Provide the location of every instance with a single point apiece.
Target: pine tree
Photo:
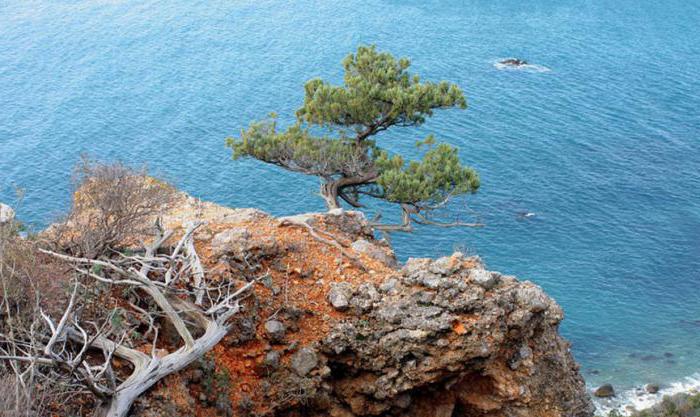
(378, 93)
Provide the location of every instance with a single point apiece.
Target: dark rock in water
(652, 388)
(594, 372)
(668, 355)
(526, 215)
(514, 62)
(604, 391)
(649, 358)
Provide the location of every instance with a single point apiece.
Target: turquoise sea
(599, 138)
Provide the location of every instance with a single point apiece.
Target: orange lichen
(458, 327)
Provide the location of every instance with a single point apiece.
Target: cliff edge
(336, 327)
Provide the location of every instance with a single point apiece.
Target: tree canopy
(378, 93)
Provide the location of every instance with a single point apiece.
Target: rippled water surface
(600, 140)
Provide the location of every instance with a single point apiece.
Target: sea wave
(527, 67)
(637, 398)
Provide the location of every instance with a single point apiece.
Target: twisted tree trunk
(146, 375)
(331, 189)
(329, 192)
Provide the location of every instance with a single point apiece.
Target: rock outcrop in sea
(337, 328)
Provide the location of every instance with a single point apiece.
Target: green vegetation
(335, 133)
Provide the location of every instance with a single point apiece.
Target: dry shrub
(14, 401)
(113, 206)
(23, 277)
(37, 399)
(28, 277)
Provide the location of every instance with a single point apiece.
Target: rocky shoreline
(367, 336)
(646, 400)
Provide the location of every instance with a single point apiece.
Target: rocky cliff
(336, 327)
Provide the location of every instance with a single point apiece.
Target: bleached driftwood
(200, 311)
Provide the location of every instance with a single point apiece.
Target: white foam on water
(638, 399)
(527, 67)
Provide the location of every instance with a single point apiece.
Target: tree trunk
(330, 189)
(158, 368)
(329, 192)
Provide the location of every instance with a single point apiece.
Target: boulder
(447, 265)
(604, 391)
(304, 361)
(244, 215)
(275, 330)
(389, 286)
(339, 295)
(652, 388)
(374, 251)
(485, 279)
(365, 297)
(272, 359)
(243, 243)
(233, 240)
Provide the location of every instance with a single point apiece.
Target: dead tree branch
(81, 351)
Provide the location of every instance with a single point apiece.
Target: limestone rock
(234, 240)
(365, 297)
(240, 242)
(447, 265)
(434, 337)
(6, 214)
(304, 361)
(389, 286)
(275, 330)
(374, 251)
(244, 215)
(339, 295)
(272, 359)
(532, 297)
(485, 279)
